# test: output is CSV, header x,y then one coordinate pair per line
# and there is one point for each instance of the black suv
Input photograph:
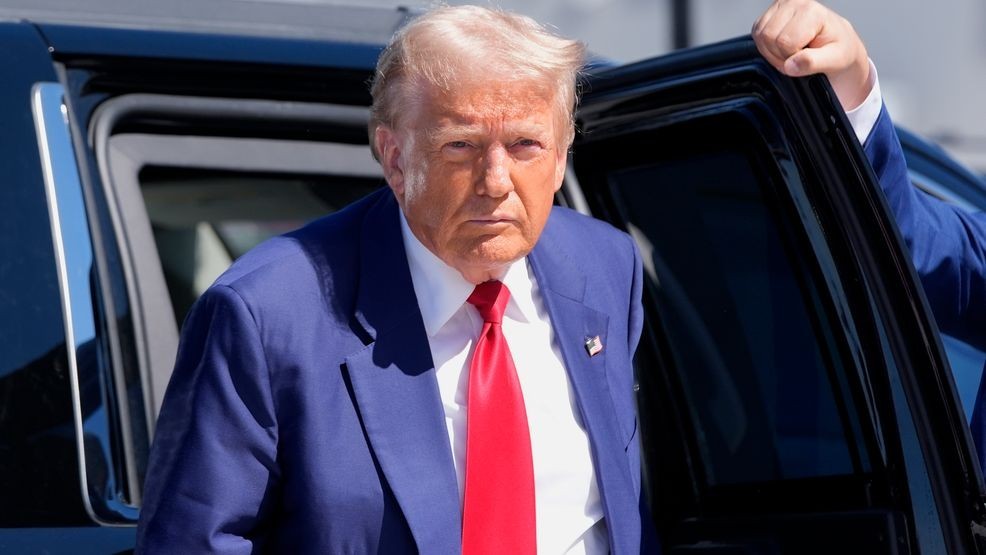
x,y
794,395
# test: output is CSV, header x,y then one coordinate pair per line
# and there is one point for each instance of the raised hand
x,y
803,37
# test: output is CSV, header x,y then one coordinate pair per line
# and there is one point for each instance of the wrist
x,y
853,84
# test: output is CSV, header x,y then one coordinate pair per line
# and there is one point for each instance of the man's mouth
x,y
491,221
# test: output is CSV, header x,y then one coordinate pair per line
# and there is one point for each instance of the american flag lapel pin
x,y
593,345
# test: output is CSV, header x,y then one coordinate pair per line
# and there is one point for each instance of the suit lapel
x,y
563,287
394,384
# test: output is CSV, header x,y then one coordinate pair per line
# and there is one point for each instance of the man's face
x,y
475,171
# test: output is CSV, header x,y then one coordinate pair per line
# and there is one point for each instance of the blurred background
x,y
930,55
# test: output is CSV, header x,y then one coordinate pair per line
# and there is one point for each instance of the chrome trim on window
x,y
75,266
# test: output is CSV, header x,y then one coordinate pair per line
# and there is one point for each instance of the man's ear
x,y
561,165
389,149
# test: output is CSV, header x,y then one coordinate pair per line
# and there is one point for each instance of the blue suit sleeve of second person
x,y
947,244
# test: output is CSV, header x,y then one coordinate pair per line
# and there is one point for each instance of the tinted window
x,y
737,294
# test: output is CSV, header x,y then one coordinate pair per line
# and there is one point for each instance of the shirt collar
x,y
441,290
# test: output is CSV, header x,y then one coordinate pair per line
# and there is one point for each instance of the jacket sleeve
x,y
213,463
947,244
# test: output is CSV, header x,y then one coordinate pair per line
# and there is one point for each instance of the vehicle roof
x,y
295,32
372,22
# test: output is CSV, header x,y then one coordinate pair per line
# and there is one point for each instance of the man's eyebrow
x,y
441,134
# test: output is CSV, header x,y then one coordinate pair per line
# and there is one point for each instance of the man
x,y
320,397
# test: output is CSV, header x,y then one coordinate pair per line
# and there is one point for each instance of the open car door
x,y
793,392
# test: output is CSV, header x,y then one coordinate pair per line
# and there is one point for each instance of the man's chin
x,y
499,251
486,263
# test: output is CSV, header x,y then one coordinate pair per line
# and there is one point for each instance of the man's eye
x,y
457,144
526,142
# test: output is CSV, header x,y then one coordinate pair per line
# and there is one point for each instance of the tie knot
x,y
490,298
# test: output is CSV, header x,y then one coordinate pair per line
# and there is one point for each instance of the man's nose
x,y
495,180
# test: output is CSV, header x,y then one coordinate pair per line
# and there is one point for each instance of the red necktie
x,y
498,511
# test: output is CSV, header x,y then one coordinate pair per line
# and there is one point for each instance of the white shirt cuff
x,y
863,117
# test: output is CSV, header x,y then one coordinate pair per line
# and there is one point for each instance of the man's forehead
x,y
469,105
499,115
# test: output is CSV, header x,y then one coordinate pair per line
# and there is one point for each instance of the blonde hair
x,y
437,47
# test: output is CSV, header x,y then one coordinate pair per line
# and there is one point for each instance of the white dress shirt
x,y
862,118
568,506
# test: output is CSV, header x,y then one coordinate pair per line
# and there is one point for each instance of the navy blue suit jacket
x,y
304,415
948,248
947,244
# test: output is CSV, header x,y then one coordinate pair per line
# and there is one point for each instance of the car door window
x,y
735,292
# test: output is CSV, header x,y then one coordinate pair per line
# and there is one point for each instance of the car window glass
x,y
203,219
735,293
751,360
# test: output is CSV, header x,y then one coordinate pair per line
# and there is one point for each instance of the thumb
x,y
810,61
